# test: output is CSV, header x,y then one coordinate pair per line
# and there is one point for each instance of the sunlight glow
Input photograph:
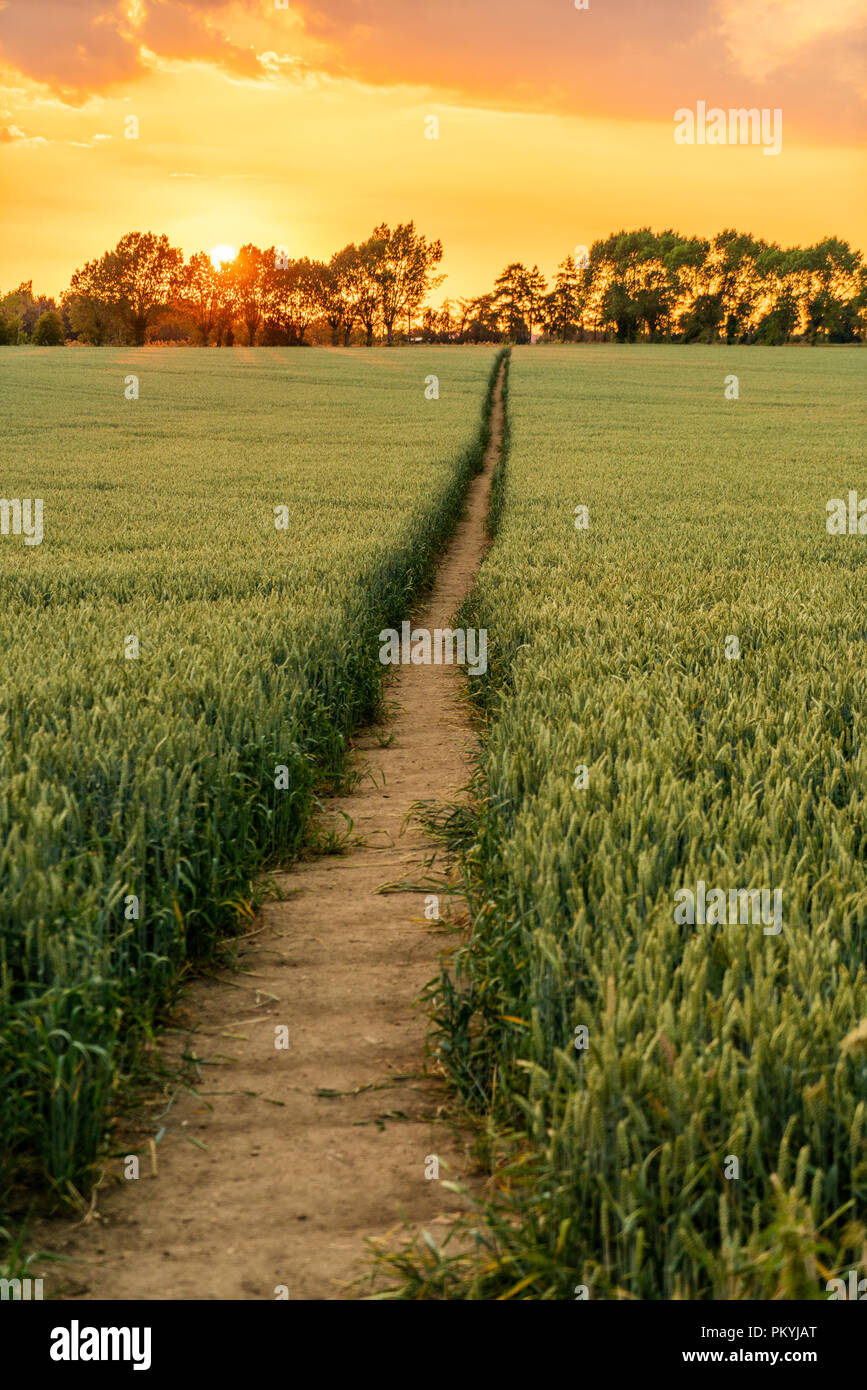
x,y
220,254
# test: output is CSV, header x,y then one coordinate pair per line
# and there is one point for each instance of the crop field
x,y
656,1015
675,706
184,656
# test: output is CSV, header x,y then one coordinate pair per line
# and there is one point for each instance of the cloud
x,y
763,38
14,135
72,46
192,32
630,59
626,59
78,47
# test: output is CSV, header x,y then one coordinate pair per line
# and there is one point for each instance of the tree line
x,y
633,286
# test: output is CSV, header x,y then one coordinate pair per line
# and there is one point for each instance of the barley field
x,y
185,655
681,1109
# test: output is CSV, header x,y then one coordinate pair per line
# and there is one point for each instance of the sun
x,y
221,254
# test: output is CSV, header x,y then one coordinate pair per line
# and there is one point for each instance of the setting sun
x,y
220,254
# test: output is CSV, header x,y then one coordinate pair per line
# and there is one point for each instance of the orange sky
x,y
305,125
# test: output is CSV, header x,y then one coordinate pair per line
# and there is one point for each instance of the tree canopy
x,y
634,285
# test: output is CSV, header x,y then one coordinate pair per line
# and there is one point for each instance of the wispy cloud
x,y
14,135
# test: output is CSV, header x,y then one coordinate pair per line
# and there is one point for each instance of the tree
x,y
444,324
519,295
10,328
333,303
145,269
440,326
733,279
685,264
139,278
777,325
833,278
294,297
91,318
340,291
464,311
622,310
401,264
226,310
249,280
562,307
636,281
49,330
535,290
370,254
480,319
509,299
22,309
201,292
703,318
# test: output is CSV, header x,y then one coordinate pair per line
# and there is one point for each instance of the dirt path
x,y
249,1194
